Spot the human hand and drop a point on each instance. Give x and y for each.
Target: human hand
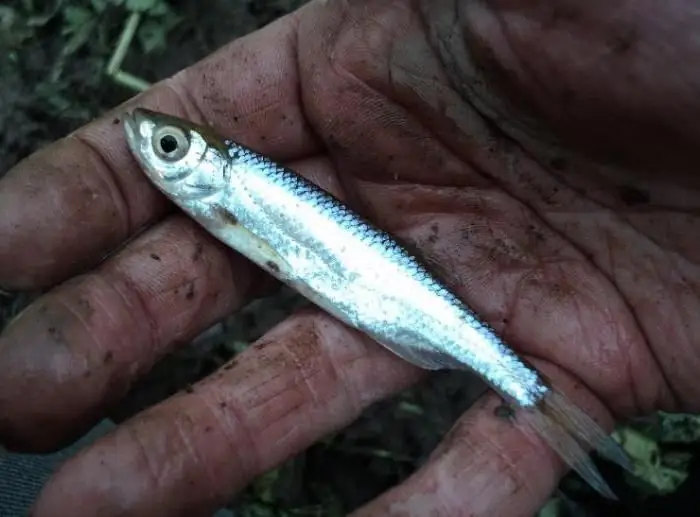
(438, 125)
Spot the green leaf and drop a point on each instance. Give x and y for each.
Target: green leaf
(679, 427)
(152, 36)
(141, 5)
(75, 18)
(159, 9)
(654, 471)
(551, 509)
(99, 5)
(79, 38)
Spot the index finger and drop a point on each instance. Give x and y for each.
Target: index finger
(69, 204)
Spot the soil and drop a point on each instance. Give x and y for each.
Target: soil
(45, 95)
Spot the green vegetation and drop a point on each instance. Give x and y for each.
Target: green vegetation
(54, 61)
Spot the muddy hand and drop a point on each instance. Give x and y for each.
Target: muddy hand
(543, 154)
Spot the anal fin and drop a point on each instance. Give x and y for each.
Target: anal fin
(423, 356)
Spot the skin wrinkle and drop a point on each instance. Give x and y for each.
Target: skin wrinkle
(679, 251)
(199, 460)
(499, 117)
(531, 207)
(222, 414)
(285, 442)
(669, 388)
(414, 117)
(131, 296)
(87, 363)
(301, 368)
(276, 413)
(510, 312)
(104, 309)
(281, 413)
(632, 386)
(597, 207)
(657, 359)
(509, 466)
(194, 456)
(199, 275)
(573, 374)
(580, 329)
(350, 185)
(540, 83)
(444, 51)
(245, 449)
(543, 220)
(357, 397)
(288, 421)
(272, 104)
(114, 187)
(252, 393)
(301, 96)
(320, 335)
(548, 225)
(266, 402)
(191, 109)
(154, 474)
(70, 308)
(677, 309)
(617, 347)
(681, 278)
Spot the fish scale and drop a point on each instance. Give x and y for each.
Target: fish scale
(360, 274)
(351, 225)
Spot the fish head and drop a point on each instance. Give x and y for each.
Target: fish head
(184, 160)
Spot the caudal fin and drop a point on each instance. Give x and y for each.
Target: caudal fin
(567, 430)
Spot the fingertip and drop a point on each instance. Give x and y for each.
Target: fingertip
(91, 480)
(39, 389)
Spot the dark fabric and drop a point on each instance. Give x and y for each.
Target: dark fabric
(22, 476)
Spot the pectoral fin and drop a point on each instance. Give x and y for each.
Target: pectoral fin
(238, 237)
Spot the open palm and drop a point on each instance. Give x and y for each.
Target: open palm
(539, 154)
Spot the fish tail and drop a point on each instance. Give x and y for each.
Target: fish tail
(568, 430)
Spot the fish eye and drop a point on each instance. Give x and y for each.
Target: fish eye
(170, 143)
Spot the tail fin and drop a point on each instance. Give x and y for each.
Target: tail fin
(560, 423)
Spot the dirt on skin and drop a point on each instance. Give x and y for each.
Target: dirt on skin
(49, 89)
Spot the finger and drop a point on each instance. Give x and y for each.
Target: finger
(307, 377)
(485, 466)
(87, 184)
(82, 345)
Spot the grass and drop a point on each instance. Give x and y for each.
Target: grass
(94, 54)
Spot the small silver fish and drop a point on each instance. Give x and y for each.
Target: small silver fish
(311, 241)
